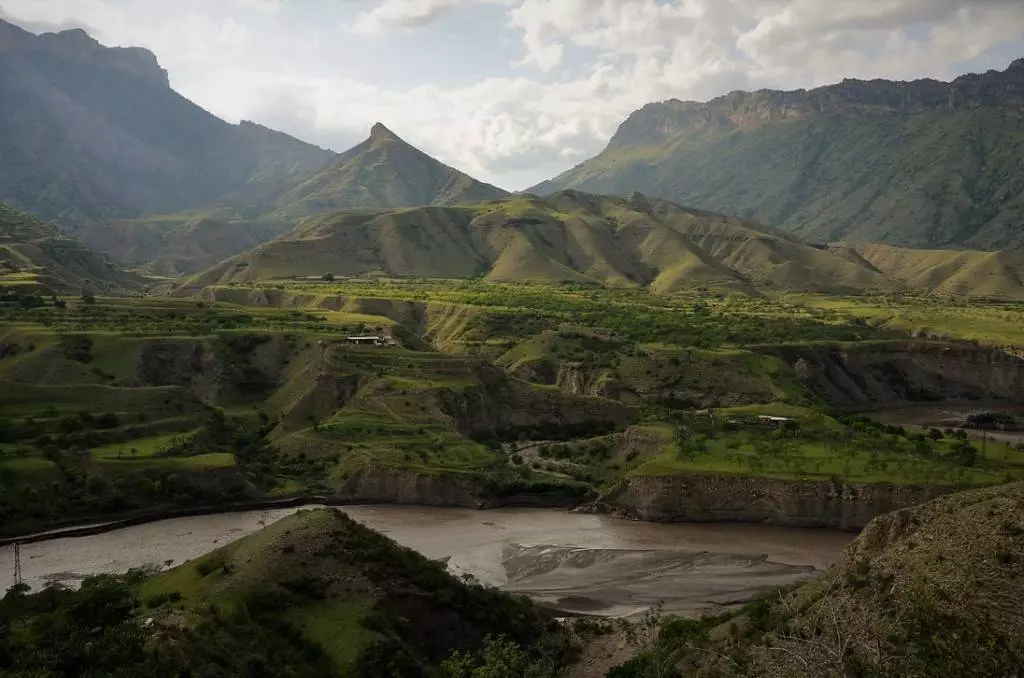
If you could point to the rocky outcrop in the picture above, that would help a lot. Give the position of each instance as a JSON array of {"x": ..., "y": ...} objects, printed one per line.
[
  {"x": 883, "y": 374},
  {"x": 402, "y": 486},
  {"x": 722, "y": 498},
  {"x": 500, "y": 404}
]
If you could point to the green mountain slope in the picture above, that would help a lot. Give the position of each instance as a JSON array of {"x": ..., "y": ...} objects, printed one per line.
[
  {"x": 34, "y": 255},
  {"x": 572, "y": 236},
  {"x": 568, "y": 236},
  {"x": 919, "y": 164},
  {"x": 182, "y": 242},
  {"x": 91, "y": 132},
  {"x": 945, "y": 272},
  {"x": 381, "y": 172}
]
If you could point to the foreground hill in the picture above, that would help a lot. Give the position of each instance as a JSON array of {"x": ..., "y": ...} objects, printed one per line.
[
  {"x": 315, "y": 594},
  {"x": 918, "y": 164},
  {"x": 572, "y": 236},
  {"x": 929, "y": 591},
  {"x": 91, "y": 132},
  {"x": 35, "y": 256},
  {"x": 381, "y": 172}
]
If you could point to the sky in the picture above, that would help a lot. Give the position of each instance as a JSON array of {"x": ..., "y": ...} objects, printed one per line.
[{"x": 517, "y": 91}]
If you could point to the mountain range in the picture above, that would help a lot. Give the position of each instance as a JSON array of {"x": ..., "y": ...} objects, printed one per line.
[
  {"x": 916, "y": 164},
  {"x": 578, "y": 237},
  {"x": 381, "y": 172},
  {"x": 95, "y": 140},
  {"x": 90, "y": 132}
]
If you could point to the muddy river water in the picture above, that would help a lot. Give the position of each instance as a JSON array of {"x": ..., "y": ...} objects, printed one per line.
[{"x": 574, "y": 562}]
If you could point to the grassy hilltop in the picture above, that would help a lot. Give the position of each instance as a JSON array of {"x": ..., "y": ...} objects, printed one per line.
[{"x": 315, "y": 594}]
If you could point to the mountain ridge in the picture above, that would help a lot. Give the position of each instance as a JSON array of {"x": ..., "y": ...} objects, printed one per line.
[
  {"x": 604, "y": 240},
  {"x": 94, "y": 132},
  {"x": 381, "y": 172},
  {"x": 914, "y": 164}
]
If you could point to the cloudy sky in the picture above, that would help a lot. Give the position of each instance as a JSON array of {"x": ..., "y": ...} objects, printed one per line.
[{"x": 515, "y": 91}]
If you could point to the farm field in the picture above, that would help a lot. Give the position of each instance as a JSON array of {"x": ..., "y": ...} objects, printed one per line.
[{"x": 233, "y": 392}]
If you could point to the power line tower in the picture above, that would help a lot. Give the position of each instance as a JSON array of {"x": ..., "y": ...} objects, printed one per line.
[{"x": 18, "y": 580}]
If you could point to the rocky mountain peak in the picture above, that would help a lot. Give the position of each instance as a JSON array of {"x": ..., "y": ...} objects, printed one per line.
[
  {"x": 77, "y": 44},
  {"x": 381, "y": 133}
]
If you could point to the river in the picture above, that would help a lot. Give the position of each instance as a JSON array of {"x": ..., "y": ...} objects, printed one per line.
[{"x": 570, "y": 561}]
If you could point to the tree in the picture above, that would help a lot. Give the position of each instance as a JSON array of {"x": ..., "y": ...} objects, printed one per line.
[
  {"x": 499, "y": 658},
  {"x": 968, "y": 455},
  {"x": 327, "y": 277},
  {"x": 88, "y": 298}
]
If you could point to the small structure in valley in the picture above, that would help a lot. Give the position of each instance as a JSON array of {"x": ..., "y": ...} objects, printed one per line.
[{"x": 372, "y": 340}]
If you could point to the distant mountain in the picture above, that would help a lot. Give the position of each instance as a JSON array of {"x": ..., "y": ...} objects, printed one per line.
[
  {"x": 35, "y": 255},
  {"x": 381, "y": 172},
  {"x": 922, "y": 163},
  {"x": 91, "y": 132},
  {"x": 572, "y": 236}
]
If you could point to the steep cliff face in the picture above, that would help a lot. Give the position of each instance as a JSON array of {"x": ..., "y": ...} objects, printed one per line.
[
  {"x": 880, "y": 374},
  {"x": 500, "y": 404},
  {"x": 394, "y": 486},
  {"x": 712, "y": 498},
  {"x": 663, "y": 120}
]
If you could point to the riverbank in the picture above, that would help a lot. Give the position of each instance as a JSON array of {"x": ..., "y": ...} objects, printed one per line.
[
  {"x": 719, "y": 498},
  {"x": 690, "y": 498},
  {"x": 575, "y": 563}
]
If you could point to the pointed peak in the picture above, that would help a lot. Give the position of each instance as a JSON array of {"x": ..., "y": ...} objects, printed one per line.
[{"x": 379, "y": 131}]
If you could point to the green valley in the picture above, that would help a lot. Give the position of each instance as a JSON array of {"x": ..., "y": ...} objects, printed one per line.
[
  {"x": 741, "y": 396},
  {"x": 493, "y": 393}
]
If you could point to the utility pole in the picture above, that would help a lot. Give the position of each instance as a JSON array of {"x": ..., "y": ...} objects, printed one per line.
[
  {"x": 323, "y": 350},
  {"x": 17, "y": 564}
]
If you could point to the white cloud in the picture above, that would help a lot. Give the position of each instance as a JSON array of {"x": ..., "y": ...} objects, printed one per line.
[
  {"x": 584, "y": 66},
  {"x": 402, "y": 14}
]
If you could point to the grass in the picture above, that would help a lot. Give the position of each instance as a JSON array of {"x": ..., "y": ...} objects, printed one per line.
[
  {"x": 145, "y": 448},
  {"x": 28, "y": 465},
  {"x": 997, "y": 323},
  {"x": 882, "y": 458},
  {"x": 336, "y": 625},
  {"x": 200, "y": 461}
]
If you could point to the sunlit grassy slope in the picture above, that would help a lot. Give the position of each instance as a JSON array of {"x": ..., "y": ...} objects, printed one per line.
[{"x": 600, "y": 240}]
